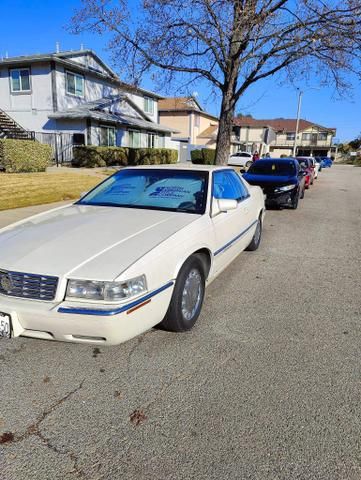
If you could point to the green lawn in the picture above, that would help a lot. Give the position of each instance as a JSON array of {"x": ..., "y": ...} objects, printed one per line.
[{"x": 25, "y": 189}]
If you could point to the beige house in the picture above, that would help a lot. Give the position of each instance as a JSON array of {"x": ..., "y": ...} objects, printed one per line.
[
  {"x": 196, "y": 128},
  {"x": 278, "y": 136}
]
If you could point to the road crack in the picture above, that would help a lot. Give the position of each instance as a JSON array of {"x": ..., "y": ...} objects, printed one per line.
[{"x": 35, "y": 430}]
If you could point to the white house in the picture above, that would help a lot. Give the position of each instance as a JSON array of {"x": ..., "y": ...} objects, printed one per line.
[{"x": 74, "y": 98}]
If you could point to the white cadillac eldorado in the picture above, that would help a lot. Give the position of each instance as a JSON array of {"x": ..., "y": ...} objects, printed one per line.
[{"x": 134, "y": 252}]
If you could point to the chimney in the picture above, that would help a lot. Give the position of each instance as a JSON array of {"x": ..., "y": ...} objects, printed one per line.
[{"x": 82, "y": 46}]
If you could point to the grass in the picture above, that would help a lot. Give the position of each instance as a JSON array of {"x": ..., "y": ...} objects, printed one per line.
[{"x": 26, "y": 189}]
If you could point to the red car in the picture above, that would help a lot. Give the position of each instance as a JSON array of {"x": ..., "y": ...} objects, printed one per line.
[{"x": 307, "y": 166}]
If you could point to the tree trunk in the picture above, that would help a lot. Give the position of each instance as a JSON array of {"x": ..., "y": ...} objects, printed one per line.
[{"x": 223, "y": 148}]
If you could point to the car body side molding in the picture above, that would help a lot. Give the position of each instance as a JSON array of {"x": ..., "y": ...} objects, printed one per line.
[{"x": 231, "y": 242}]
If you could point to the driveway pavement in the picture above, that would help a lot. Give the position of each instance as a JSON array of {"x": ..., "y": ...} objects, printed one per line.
[{"x": 266, "y": 386}]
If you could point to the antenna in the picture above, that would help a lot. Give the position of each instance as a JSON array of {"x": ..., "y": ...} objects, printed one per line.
[
  {"x": 6, "y": 54},
  {"x": 82, "y": 46},
  {"x": 57, "y": 47}
]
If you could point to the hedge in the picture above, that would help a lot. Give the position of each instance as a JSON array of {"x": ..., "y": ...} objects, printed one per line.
[
  {"x": 152, "y": 156},
  {"x": 91, "y": 156},
  {"x": 205, "y": 156},
  {"x": 17, "y": 156}
]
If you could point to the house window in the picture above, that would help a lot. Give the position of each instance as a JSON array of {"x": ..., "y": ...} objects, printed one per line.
[
  {"x": 20, "y": 80},
  {"x": 306, "y": 136},
  {"x": 196, "y": 120},
  {"x": 161, "y": 141},
  {"x": 151, "y": 140},
  {"x": 134, "y": 138},
  {"x": 107, "y": 137},
  {"x": 290, "y": 135},
  {"x": 322, "y": 136},
  {"x": 74, "y": 84},
  {"x": 149, "y": 105}
]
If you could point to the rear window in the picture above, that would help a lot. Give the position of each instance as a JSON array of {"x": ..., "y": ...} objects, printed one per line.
[{"x": 270, "y": 167}]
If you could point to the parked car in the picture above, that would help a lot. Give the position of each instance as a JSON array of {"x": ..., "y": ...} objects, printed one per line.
[
  {"x": 240, "y": 159},
  {"x": 319, "y": 161},
  {"x": 281, "y": 179},
  {"x": 135, "y": 251},
  {"x": 327, "y": 162},
  {"x": 313, "y": 164},
  {"x": 306, "y": 166}
]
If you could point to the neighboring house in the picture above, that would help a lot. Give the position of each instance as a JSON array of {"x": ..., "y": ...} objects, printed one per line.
[
  {"x": 277, "y": 136},
  {"x": 74, "y": 98},
  {"x": 196, "y": 128}
]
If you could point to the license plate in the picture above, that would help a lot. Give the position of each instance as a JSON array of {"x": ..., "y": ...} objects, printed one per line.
[{"x": 5, "y": 325}]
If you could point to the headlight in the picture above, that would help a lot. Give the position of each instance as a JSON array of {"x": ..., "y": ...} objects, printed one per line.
[
  {"x": 286, "y": 188},
  {"x": 107, "y": 291}
]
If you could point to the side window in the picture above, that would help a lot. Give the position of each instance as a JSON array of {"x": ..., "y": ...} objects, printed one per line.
[
  {"x": 227, "y": 184},
  {"x": 239, "y": 185}
]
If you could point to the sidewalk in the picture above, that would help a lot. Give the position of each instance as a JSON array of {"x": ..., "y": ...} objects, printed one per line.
[{"x": 16, "y": 214}]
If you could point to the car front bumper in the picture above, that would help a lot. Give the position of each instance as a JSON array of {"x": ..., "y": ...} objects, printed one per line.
[
  {"x": 84, "y": 322},
  {"x": 280, "y": 199}
]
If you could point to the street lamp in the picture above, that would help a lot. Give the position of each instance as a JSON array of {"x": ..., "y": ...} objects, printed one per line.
[
  {"x": 297, "y": 121},
  {"x": 300, "y": 93}
]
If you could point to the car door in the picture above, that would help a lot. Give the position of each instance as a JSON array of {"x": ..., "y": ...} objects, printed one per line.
[{"x": 233, "y": 230}]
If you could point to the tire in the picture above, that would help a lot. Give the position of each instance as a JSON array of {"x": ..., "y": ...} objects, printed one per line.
[
  {"x": 186, "y": 303},
  {"x": 248, "y": 164},
  {"x": 256, "y": 240},
  {"x": 294, "y": 204}
]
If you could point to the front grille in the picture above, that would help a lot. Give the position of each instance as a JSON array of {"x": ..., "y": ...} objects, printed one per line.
[{"x": 28, "y": 285}]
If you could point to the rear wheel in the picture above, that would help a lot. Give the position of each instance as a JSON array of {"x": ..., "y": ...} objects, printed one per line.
[
  {"x": 188, "y": 295},
  {"x": 256, "y": 240},
  {"x": 249, "y": 163}
]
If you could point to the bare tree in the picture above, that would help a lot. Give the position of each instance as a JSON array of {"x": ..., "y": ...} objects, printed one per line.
[{"x": 230, "y": 43}]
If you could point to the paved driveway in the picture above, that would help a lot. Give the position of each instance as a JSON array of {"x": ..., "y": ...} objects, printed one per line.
[{"x": 267, "y": 386}]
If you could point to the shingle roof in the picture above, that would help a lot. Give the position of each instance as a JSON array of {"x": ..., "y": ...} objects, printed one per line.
[
  {"x": 182, "y": 104},
  {"x": 278, "y": 124},
  {"x": 209, "y": 132},
  {"x": 94, "y": 110},
  {"x": 65, "y": 58}
]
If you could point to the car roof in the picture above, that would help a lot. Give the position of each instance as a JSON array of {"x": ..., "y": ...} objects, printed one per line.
[
  {"x": 183, "y": 166},
  {"x": 282, "y": 160}
]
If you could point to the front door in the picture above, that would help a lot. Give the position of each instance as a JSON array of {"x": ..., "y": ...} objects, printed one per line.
[{"x": 233, "y": 229}]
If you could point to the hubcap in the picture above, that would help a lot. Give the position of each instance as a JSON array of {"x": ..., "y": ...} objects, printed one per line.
[{"x": 192, "y": 294}]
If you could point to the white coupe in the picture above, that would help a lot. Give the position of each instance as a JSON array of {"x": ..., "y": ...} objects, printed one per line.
[{"x": 136, "y": 251}]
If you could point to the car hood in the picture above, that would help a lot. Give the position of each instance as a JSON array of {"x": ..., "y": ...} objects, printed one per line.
[
  {"x": 270, "y": 180},
  {"x": 71, "y": 239}
]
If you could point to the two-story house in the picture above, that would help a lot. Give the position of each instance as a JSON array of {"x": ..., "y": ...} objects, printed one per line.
[
  {"x": 74, "y": 98},
  {"x": 278, "y": 136},
  {"x": 195, "y": 127}
]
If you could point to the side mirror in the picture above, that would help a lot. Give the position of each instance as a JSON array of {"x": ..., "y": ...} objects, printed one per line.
[{"x": 223, "y": 205}]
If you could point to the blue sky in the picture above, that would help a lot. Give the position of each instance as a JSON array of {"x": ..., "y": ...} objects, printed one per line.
[{"x": 34, "y": 26}]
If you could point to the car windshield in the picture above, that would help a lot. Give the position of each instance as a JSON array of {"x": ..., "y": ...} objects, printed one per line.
[
  {"x": 304, "y": 162},
  {"x": 270, "y": 167},
  {"x": 154, "y": 189}
]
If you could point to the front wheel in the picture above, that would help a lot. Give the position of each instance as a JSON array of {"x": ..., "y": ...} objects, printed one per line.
[
  {"x": 256, "y": 240},
  {"x": 188, "y": 295},
  {"x": 294, "y": 203}
]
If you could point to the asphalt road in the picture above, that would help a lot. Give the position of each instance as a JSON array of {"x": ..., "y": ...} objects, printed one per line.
[{"x": 267, "y": 386}]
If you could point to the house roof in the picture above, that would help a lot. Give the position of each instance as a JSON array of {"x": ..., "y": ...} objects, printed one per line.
[
  {"x": 278, "y": 124},
  {"x": 182, "y": 104},
  {"x": 209, "y": 132},
  {"x": 95, "y": 110},
  {"x": 65, "y": 59}
]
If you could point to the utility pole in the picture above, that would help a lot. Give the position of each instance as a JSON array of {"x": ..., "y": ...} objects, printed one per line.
[{"x": 298, "y": 121}]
